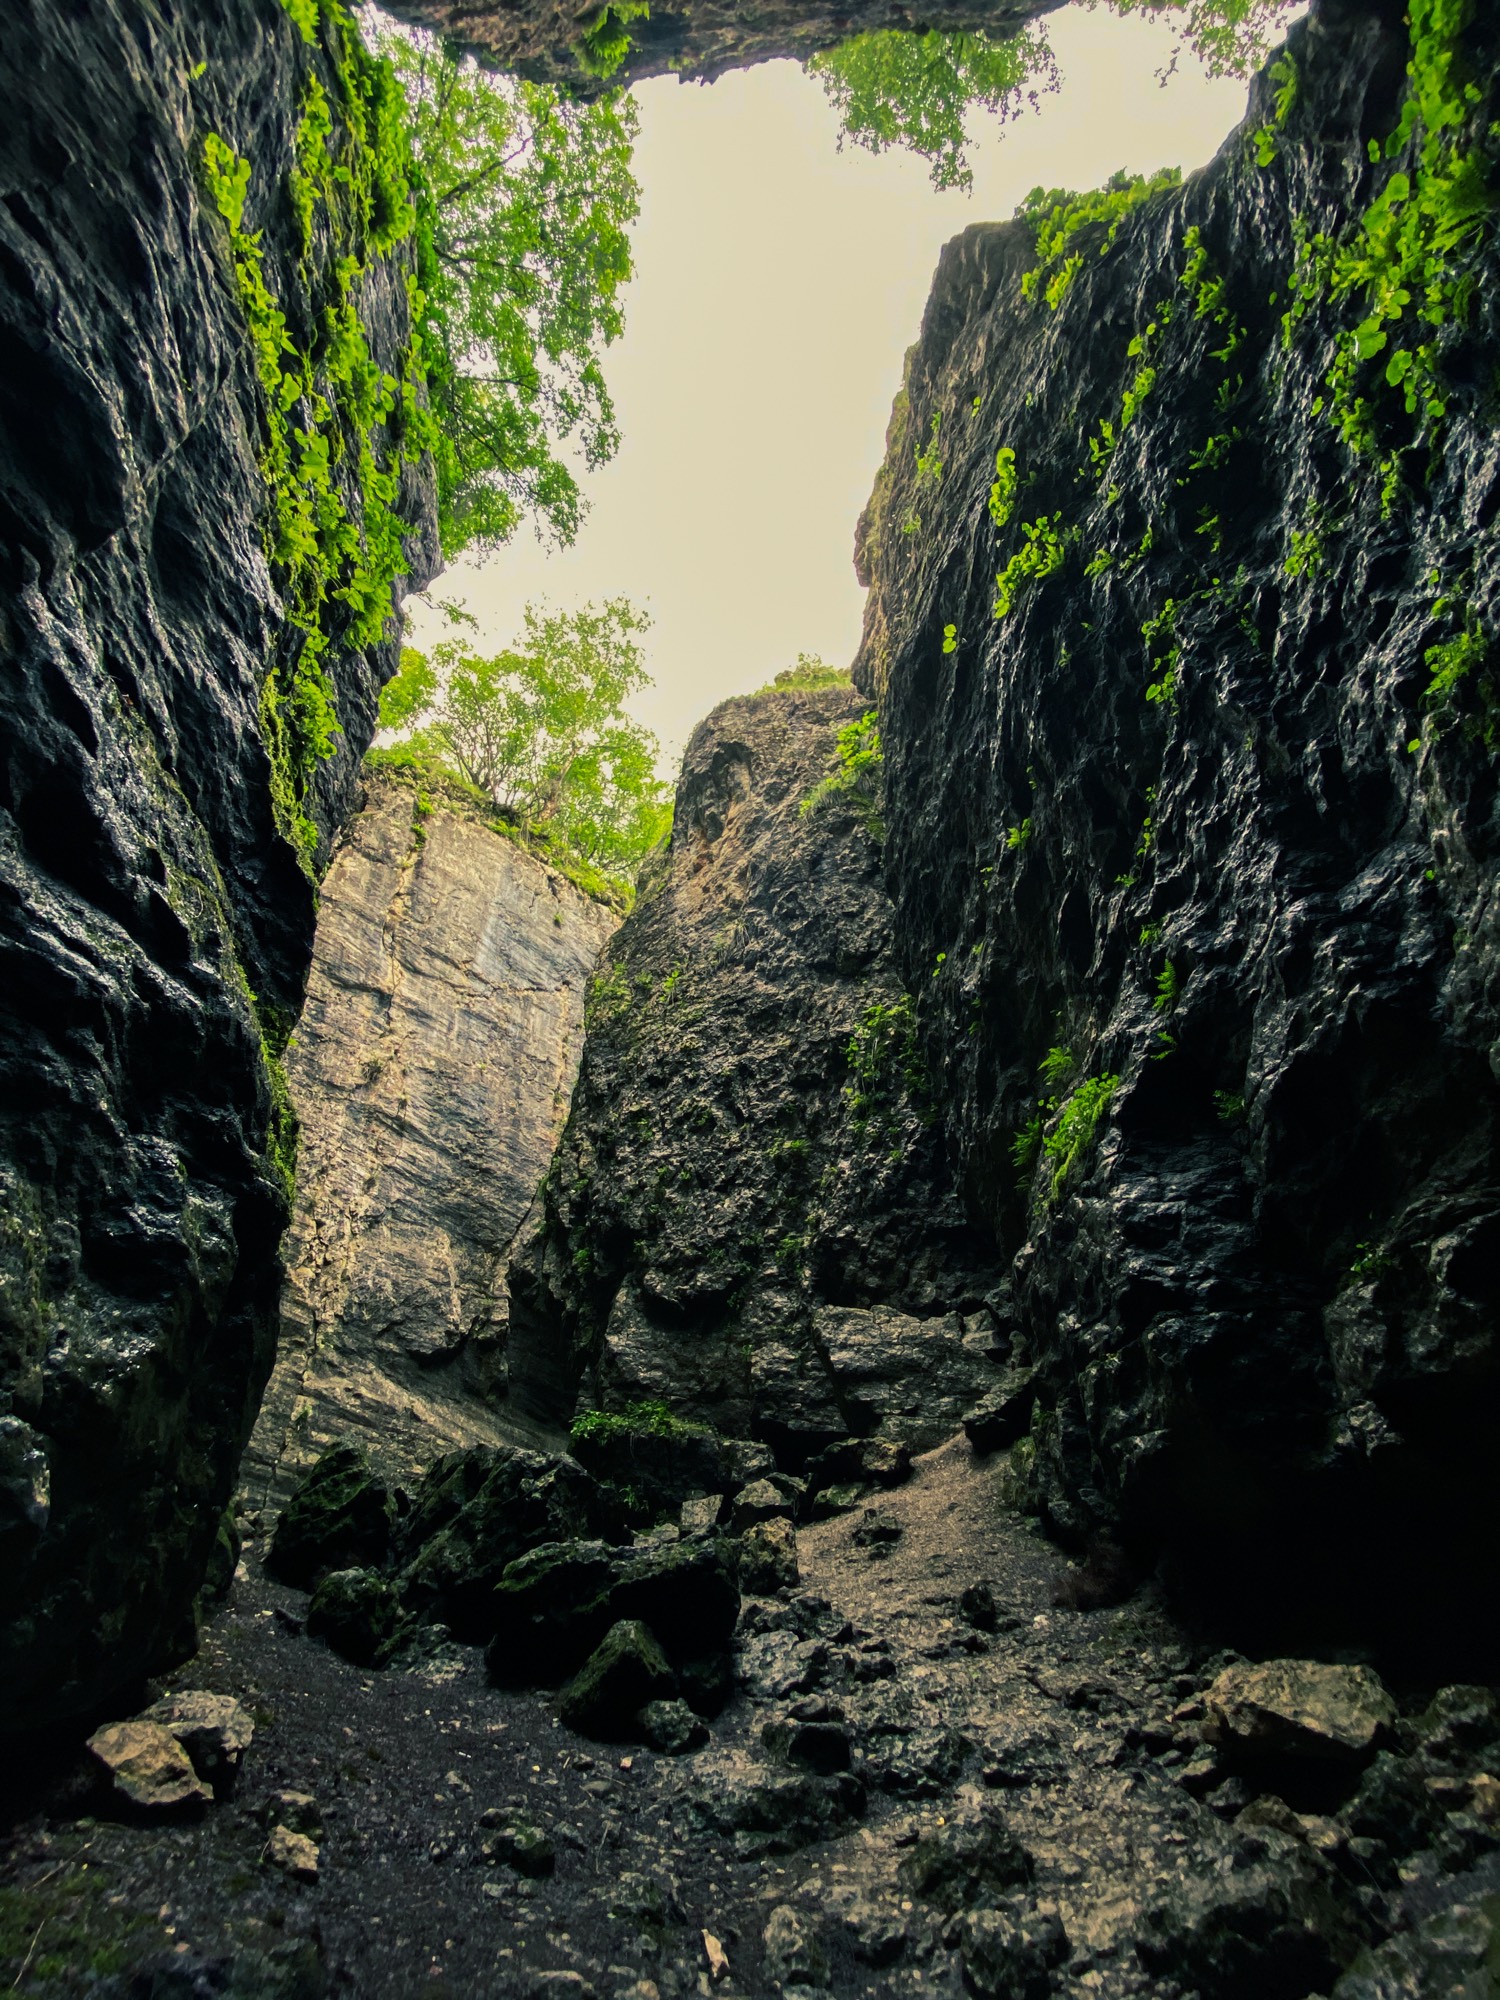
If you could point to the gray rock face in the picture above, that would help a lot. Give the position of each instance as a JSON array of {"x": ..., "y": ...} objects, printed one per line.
[
  {"x": 1187, "y": 816},
  {"x": 431, "y": 1071},
  {"x": 146, "y": 893},
  {"x": 738, "y": 1221}
]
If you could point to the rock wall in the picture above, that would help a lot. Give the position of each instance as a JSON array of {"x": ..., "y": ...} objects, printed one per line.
[
  {"x": 431, "y": 1070},
  {"x": 153, "y": 920},
  {"x": 739, "y": 1220},
  {"x": 694, "y": 39},
  {"x": 1199, "y": 816}
]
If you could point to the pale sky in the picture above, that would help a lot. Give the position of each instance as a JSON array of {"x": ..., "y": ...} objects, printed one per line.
[{"x": 778, "y": 284}]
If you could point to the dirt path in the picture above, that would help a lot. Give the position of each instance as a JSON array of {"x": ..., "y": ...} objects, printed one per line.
[{"x": 1057, "y": 1719}]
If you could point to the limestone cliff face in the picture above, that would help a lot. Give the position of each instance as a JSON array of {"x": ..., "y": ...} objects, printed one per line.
[
  {"x": 146, "y": 893},
  {"x": 750, "y": 1215},
  {"x": 432, "y": 1070},
  {"x": 1196, "y": 815}
]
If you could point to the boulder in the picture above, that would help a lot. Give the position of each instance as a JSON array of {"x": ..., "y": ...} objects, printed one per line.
[
  {"x": 1299, "y": 1708},
  {"x": 212, "y": 1728},
  {"x": 357, "y": 1612},
  {"x": 149, "y": 1770},
  {"x": 966, "y": 1862},
  {"x": 556, "y": 1603},
  {"x": 1255, "y": 1923},
  {"x": 670, "y": 1727},
  {"x": 819, "y": 1744},
  {"x": 475, "y": 1513},
  {"x": 872, "y": 1461},
  {"x": 1005, "y": 1413},
  {"x": 626, "y": 1671},
  {"x": 1454, "y": 1953},
  {"x": 340, "y": 1517},
  {"x": 1009, "y": 1954},
  {"x": 761, "y": 1500},
  {"x": 768, "y": 1558},
  {"x": 774, "y": 1812}
]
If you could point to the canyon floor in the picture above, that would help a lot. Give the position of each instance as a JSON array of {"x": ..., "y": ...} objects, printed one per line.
[{"x": 1018, "y": 1811}]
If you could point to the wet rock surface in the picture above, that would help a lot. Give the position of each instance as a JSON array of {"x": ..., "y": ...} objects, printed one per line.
[
  {"x": 147, "y": 892},
  {"x": 1008, "y": 1820},
  {"x": 736, "y": 1221},
  {"x": 1188, "y": 826},
  {"x": 432, "y": 1069}
]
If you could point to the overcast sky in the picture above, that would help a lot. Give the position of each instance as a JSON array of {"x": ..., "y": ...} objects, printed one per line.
[{"x": 778, "y": 284}]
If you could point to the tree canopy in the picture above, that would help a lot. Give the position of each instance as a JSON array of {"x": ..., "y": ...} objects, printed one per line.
[
  {"x": 540, "y": 730},
  {"x": 898, "y": 88},
  {"x": 524, "y": 203}
]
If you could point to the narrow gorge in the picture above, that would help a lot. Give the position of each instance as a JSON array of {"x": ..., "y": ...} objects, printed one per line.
[{"x": 912, "y": 1413}]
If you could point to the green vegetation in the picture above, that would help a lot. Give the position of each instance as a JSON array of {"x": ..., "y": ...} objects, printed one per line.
[
  {"x": 1042, "y": 553},
  {"x": 885, "y": 1061},
  {"x": 916, "y": 90},
  {"x": 811, "y": 672},
  {"x": 1056, "y": 218},
  {"x": 1406, "y": 264},
  {"x": 524, "y": 201},
  {"x": 1003, "y": 492},
  {"x": 518, "y": 204},
  {"x": 540, "y": 731},
  {"x": 1073, "y": 1132},
  {"x": 1229, "y": 1107},
  {"x": 854, "y": 777},
  {"x": 645, "y": 1419},
  {"x": 604, "y": 42}
]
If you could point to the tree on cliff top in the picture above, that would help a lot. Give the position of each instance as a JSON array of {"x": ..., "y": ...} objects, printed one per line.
[
  {"x": 524, "y": 202},
  {"x": 541, "y": 730},
  {"x": 896, "y": 87}
]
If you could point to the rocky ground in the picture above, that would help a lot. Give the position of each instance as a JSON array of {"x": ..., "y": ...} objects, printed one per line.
[{"x": 932, "y": 1776}]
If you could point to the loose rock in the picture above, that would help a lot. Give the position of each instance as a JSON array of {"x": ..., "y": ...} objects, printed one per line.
[
  {"x": 1299, "y": 1708},
  {"x": 293, "y": 1853},
  {"x": 149, "y": 1769}
]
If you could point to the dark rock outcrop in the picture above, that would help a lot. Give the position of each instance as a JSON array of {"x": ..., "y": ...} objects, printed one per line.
[
  {"x": 431, "y": 1070},
  {"x": 750, "y": 1214},
  {"x": 693, "y": 39},
  {"x": 1197, "y": 825},
  {"x": 155, "y": 922}
]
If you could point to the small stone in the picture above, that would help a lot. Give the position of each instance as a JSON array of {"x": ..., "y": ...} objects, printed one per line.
[
  {"x": 149, "y": 1768},
  {"x": 293, "y": 1853},
  {"x": 1300, "y": 1708},
  {"x": 297, "y": 1810},
  {"x": 877, "y": 1934},
  {"x": 213, "y": 1729},
  {"x": 517, "y": 1844},
  {"x": 976, "y": 1607},
  {"x": 671, "y": 1727},
  {"x": 794, "y": 1956},
  {"x": 1484, "y": 1796},
  {"x": 718, "y": 1958},
  {"x": 835, "y": 1500},
  {"x": 566, "y": 1985},
  {"x": 877, "y": 1534},
  {"x": 768, "y": 1558},
  {"x": 639, "y": 1900}
]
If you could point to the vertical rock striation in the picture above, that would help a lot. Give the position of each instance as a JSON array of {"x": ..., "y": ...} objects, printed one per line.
[
  {"x": 153, "y": 919},
  {"x": 431, "y": 1071},
  {"x": 750, "y": 1214},
  {"x": 1198, "y": 826}
]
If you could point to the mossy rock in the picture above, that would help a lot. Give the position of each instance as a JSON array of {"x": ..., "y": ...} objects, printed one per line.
[
  {"x": 340, "y": 1517},
  {"x": 357, "y": 1612},
  {"x": 626, "y": 1671}
]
